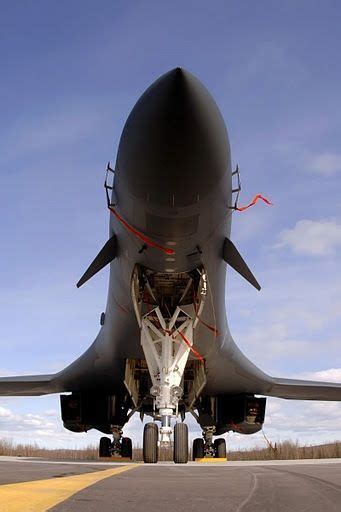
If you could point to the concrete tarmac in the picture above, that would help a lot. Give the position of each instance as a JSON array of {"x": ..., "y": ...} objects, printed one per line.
[{"x": 284, "y": 486}]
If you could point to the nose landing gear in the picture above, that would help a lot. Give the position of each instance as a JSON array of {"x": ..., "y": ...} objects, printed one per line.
[
  {"x": 167, "y": 326},
  {"x": 150, "y": 443},
  {"x": 166, "y": 355},
  {"x": 180, "y": 443}
]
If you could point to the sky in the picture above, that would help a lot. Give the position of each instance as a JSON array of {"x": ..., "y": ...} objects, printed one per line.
[{"x": 70, "y": 73}]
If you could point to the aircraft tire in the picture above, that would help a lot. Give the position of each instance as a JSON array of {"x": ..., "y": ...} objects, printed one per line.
[
  {"x": 104, "y": 447},
  {"x": 198, "y": 448},
  {"x": 127, "y": 448},
  {"x": 220, "y": 448},
  {"x": 180, "y": 443},
  {"x": 150, "y": 439}
]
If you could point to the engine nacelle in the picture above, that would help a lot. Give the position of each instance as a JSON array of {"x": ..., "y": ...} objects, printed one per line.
[
  {"x": 241, "y": 413},
  {"x": 102, "y": 411}
]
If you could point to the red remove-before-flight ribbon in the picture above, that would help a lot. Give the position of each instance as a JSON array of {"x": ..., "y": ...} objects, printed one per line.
[
  {"x": 254, "y": 201},
  {"x": 210, "y": 327},
  {"x": 192, "y": 349},
  {"x": 138, "y": 234},
  {"x": 183, "y": 337}
]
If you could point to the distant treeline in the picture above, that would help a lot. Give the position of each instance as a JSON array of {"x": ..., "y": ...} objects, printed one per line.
[
  {"x": 289, "y": 451},
  {"x": 281, "y": 451}
]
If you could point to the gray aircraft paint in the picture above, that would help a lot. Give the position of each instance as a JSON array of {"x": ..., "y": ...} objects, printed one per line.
[{"x": 173, "y": 183}]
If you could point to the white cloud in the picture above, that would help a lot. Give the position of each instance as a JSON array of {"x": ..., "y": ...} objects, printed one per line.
[
  {"x": 32, "y": 428},
  {"x": 4, "y": 413},
  {"x": 5, "y": 373},
  {"x": 315, "y": 238},
  {"x": 325, "y": 163},
  {"x": 293, "y": 325},
  {"x": 51, "y": 412},
  {"x": 330, "y": 375},
  {"x": 33, "y": 422}
]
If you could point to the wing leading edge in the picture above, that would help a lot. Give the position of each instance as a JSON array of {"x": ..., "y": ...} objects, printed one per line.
[
  {"x": 305, "y": 389},
  {"x": 292, "y": 389},
  {"x": 28, "y": 385}
]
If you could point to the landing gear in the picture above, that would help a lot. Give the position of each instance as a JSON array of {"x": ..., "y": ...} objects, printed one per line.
[
  {"x": 127, "y": 448},
  {"x": 167, "y": 331},
  {"x": 150, "y": 439},
  {"x": 220, "y": 448},
  {"x": 119, "y": 447},
  {"x": 198, "y": 449},
  {"x": 104, "y": 447},
  {"x": 150, "y": 443},
  {"x": 180, "y": 443},
  {"x": 207, "y": 448},
  {"x": 166, "y": 354}
]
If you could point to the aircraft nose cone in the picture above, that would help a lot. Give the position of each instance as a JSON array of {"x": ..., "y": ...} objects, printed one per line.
[{"x": 174, "y": 147}]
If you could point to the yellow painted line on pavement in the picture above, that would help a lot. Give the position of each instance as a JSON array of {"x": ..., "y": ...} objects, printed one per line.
[
  {"x": 41, "y": 495},
  {"x": 211, "y": 460}
]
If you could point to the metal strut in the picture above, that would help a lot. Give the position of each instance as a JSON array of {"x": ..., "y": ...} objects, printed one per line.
[
  {"x": 166, "y": 355},
  {"x": 208, "y": 433}
]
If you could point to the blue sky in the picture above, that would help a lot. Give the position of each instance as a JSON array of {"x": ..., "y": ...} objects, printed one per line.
[{"x": 70, "y": 73}]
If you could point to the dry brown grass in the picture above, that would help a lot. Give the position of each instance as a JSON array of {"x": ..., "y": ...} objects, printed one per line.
[
  {"x": 33, "y": 450},
  {"x": 289, "y": 451},
  {"x": 164, "y": 454},
  {"x": 284, "y": 451}
]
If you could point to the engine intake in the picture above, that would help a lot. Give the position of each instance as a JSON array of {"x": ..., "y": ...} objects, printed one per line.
[
  {"x": 241, "y": 413},
  {"x": 84, "y": 411}
]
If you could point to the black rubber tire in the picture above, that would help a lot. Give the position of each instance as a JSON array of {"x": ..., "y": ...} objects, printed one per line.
[
  {"x": 127, "y": 448},
  {"x": 104, "y": 447},
  {"x": 220, "y": 448},
  {"x": 150, "y": 439},
  {"x": 180, "y": 443},
  {"x": 198, "y": 448}
]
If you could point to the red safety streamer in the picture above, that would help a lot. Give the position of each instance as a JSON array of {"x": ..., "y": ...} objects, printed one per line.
[
  {"x": 183, "y": 337},
  {"x": 195, "y": 352},
  {"x": 210, "y": 327},
  {"x": 254, "y": 201},
  {"x": 138, "y": 234}
]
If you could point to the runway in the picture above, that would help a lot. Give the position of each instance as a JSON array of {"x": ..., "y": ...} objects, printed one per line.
[{"x": 36, "y": 485}]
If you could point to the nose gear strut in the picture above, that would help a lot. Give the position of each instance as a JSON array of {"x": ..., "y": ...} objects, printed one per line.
[
  {"x": 167, "y": 317},
  {"x": 166, "y": 355}
]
